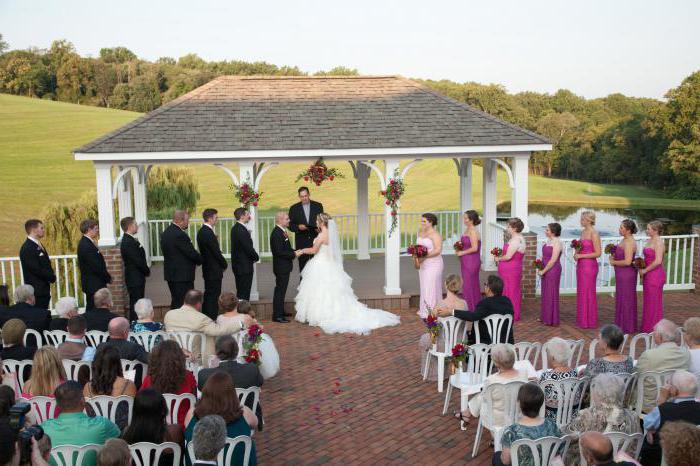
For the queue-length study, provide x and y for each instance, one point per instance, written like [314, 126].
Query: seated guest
[217, 399]
[47, 373]
[145, 323]
[676, 403]
[597, 450]
[24, 309]
[115, 453]
[667, 355]
[610, 340]
[529, 426]
[74, 347]
[244, 375]
[4, 298]
[558, 355]
[65, 308]
[208, 439]
[107, 376]
[9, 380]
[13, 341]
[679, 442]
[228, 311]
[73, 426]
[118, 329]
[692, 339]
[189, 318]
[493, 304]
[99, 317]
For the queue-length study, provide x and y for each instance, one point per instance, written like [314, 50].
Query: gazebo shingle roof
[233, 113]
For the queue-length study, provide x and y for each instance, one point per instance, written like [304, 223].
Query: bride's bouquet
[252, 344]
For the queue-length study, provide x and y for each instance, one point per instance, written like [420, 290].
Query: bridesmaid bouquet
[639, 263]
[459, 355]
[459, 246]
[417, 251]
[497, 252]
[251, 344]
[538, 264]
[577, 245]
[610, 249]
[433, 326]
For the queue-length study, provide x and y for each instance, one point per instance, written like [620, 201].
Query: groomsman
[180, 258]
[213, 263]
[135, 266]
[36, 264]
[282, 264]
[93, 269]
[243, 254]
[302, 221]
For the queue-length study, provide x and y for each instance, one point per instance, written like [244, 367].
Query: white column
[489, 214]
[124, 199]
[392, 266]
[465, 184]
[519, 196]
[139, 180]
[247, 175]
[105, 205]
[362, 182]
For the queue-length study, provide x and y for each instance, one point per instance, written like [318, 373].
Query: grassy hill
[37, 136]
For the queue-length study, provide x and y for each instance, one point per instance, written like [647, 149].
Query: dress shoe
[289, 314]
[281, 320]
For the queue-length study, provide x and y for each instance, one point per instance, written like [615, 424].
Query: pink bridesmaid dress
[511, 272]
[471, 266]
[586, 276]
[625, 294]
[653, 285]
[430, 276]
[549, 283]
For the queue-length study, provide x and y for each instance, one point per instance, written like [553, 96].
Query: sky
[594, 48]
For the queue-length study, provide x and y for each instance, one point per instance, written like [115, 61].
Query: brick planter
[529, 282]
[696, 260]
[115, 267]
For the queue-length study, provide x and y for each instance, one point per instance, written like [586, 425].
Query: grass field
[37, 137]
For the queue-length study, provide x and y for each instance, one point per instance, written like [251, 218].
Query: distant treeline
[615, 139]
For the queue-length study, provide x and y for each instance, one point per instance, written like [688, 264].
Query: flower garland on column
[318, 172]
[392, 195]
[246, 194]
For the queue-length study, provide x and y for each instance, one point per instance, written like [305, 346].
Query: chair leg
[441, 372]
[426, 367]
[448, 395]
[477, 439]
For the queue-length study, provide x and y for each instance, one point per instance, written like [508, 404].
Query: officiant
[302, 221]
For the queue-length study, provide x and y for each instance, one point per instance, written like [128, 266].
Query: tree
[191, 61]
[555, 126]
[105, 77]
[62, 222]
[68, 79]
[170, 189]
[117, 55]
[338, 71]
[14, 75]
[3, 45]
[144, 94]
[120, 96]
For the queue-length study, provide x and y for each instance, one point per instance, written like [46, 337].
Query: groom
[282, 264]
[302, 218]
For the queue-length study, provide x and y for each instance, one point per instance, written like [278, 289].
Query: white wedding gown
[325, 297]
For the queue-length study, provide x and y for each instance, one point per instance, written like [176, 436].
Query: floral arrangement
[318, 172]
[459, 246]
[577, 245]
[417, 250]
[394, 190]
[497, 252]
[639, 263]
[459, 352]
[433, 326]
[538, 264]
[246, 194]
[610, 249]
[252, 342]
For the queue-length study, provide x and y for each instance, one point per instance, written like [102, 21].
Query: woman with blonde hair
[653, 277]
[47, 373]
[587, 272]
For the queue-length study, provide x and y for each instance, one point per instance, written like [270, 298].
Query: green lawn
[36, 139]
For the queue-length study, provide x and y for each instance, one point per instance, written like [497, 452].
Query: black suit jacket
[98, 319]
[93, 269]
[213, 262]
[486, 307]
[243, 254]
[18, 353]
[245, 375]
[134, 257]
[59, 323]
[33, 317]
[180, 258]
[36, 268]
[304, 239]
[282, 253]
[127, 350]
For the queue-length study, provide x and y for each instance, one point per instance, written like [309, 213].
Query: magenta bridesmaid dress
[430, 276]
[586, 275]
[471, 266]
[511, 272]
[653, 284]
[625, 294]
[549, 284]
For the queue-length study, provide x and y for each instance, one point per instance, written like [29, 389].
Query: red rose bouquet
[392, 194]
[610, 249]
[639, 263]
[459, 246]
[538, 264]
[497, 252]
[459, 356]
[246, 195]
[433, 326]
[253, 356]
[252, 342]
[577, 245]
[417, 250]
[319, 172]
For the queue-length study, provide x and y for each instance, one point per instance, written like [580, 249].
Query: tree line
[613, 139]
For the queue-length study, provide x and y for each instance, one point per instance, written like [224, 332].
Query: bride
[325, 297]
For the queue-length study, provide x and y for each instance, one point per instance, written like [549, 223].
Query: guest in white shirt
[692, 339]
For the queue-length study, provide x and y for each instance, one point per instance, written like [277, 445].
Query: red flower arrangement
[253, 356]
[394, 190]
[433, 326]
[251, 343]
[610, 249]
[459, 246]
[639, 263]
[538, 264]
[417, 250]
[246, 195]
[319, 172]
[497, 252]
[459, 352]
[577, 245]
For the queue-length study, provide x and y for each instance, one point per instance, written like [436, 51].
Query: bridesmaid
[510, 264]
[626, 278]
[431, 266]
[587, 273]
[550, 275]
[653, 277]
[470, 259]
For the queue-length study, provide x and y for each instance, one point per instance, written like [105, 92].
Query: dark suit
[98, 319]
[59, 323]
[37, 271]
[486, 307]
[180, 259]
[213, 266]
[282, 265]
[243, 258]
[304, 239]
[135, 270]
[33, 317]
[18, 353]
[93, 270]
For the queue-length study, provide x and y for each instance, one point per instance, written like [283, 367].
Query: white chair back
[647, 340]
[478, 360]
[451, 327]
[35, 338]
[95, 337]
[72, 368]
[19, 368]
[55, 337]
[73, 455]
[225, 457]
[133, 365]
[576, 347]
[543, 450]
[174, 403]
[495, 324]
[240, 340]
[527, 351]
[657, 379]
[487, 418]
[106, 406]
[148, 339]
[189, 341]
[569, 397]
[148, 454]
[43, 408]
[244, 394]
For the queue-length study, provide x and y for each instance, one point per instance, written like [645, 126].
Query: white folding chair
[148, 454]
[543, 450]
[475, 374]
[450, 329]
[95, 337]
[657, 379]
[133, 365]
[244, 394]
[527, 351]
[19, 368]
[576, 347]
[43, 408]
[225, 456]
[648, 342]
[148, 339]
[174, 403]
[106, 406]
[509, 396]
[72, 368]
[55, 337]
[569, 397]
[36, 336]
[188, 341]
[73, 455]
[240, 340]
[495, 324]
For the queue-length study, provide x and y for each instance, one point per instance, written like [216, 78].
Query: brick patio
[345, 399]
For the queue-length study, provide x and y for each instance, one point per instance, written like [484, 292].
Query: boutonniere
[41, 253]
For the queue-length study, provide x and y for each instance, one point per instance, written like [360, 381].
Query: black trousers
[177, 293]
[244, 281]
[212, 291]
[89, 300]
[281, 283]
[43, 302]
[135, 293]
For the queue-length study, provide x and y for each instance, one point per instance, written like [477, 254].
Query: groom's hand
[302, 227]
[298, 253]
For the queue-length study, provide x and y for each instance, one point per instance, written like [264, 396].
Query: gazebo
[258, 122]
